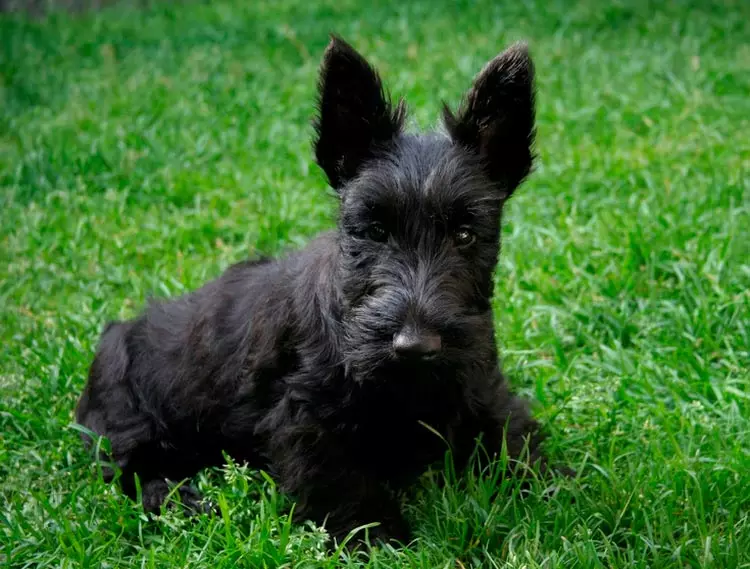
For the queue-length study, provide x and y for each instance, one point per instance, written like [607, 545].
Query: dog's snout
[413, 343]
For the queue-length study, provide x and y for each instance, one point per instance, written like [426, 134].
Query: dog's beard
[373, 319]
[369, 355]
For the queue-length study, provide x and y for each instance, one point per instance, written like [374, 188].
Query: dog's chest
[392, 430]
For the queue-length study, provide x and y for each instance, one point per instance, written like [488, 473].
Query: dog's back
[161, 385]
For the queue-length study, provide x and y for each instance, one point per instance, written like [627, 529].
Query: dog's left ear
[355, 115]
[496, 118]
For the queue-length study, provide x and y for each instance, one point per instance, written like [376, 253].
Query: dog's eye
[376, 232]
[464, 237]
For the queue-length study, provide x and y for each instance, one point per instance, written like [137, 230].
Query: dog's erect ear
[355, 116]
[496, 118]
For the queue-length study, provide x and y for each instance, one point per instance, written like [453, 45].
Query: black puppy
[335, 367]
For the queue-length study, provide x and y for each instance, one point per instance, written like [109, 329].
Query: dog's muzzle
[416, 344]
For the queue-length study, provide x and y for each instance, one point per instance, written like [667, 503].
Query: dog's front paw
[156, 492]
[393, 532]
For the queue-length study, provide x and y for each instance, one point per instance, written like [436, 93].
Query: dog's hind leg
[109, 408]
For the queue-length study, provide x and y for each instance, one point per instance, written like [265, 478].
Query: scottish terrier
[347, 368]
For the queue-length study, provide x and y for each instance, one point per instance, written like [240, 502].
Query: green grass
[143, 151]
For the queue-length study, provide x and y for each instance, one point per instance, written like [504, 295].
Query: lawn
[144, 149]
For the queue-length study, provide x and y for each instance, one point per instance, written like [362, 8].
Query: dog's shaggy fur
[332, 368]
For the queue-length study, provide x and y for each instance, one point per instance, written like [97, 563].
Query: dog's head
[420, 214]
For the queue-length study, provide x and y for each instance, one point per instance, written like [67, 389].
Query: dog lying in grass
[336, 368]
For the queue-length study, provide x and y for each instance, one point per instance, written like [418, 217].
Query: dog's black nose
[415, 344]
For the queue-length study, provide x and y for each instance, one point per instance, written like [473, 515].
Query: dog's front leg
[502, 420]
[317, 471]
[499, 419]
[349, 500]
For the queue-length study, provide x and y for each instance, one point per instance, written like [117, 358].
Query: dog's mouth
[380, 361]
[382, 341]
[416, 363]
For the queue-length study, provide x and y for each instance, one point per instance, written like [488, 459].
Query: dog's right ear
[355, 115]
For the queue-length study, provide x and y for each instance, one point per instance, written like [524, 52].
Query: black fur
[325, 366]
